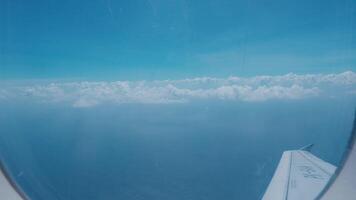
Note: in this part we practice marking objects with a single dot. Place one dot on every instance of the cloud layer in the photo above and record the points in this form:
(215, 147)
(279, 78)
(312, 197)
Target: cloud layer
(253, 89)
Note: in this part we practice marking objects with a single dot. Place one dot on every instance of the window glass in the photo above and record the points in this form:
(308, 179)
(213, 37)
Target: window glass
(151, 99)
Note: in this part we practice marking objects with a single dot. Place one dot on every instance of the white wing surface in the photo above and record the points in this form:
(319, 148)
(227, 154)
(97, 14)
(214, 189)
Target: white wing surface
(299, 175)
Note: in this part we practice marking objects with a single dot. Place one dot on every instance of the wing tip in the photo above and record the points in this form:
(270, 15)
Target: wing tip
(307, 147)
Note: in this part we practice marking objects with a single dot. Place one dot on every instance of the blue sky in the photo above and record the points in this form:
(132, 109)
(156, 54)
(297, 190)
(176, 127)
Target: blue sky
(171, 39)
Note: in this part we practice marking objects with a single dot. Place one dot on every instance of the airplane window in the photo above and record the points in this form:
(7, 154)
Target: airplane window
(178, 100)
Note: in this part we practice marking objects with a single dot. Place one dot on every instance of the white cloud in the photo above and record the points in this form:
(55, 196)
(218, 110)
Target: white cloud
(278, 92)
(253, 89)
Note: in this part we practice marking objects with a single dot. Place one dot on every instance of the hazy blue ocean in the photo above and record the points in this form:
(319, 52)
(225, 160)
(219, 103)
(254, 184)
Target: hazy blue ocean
(190, 151)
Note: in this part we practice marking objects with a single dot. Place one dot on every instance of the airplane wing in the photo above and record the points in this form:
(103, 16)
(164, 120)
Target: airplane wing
(299, 175)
